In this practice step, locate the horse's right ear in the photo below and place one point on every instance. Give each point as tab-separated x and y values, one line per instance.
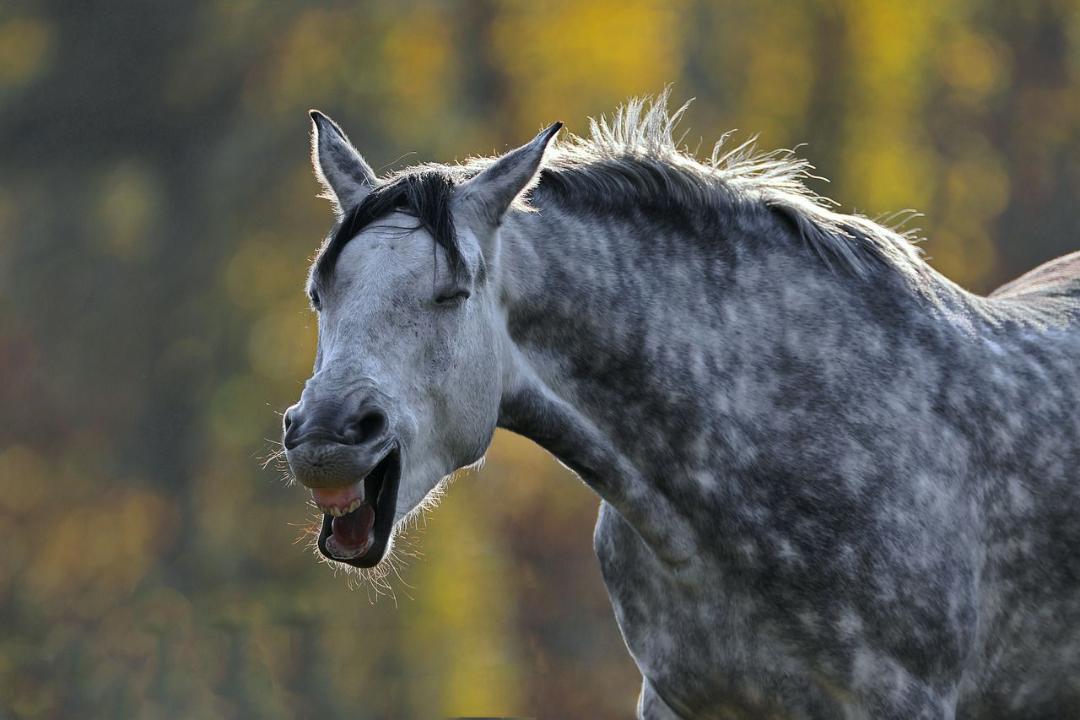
345	176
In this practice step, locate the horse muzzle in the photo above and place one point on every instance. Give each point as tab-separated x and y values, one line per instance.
352	464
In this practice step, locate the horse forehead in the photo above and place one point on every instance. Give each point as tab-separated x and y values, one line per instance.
391	248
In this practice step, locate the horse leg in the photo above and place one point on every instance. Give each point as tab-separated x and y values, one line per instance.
651	706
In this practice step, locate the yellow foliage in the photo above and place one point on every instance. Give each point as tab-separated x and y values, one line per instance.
459	625
629	47
127	210
974	64
88	557
416	66
888	160
25	45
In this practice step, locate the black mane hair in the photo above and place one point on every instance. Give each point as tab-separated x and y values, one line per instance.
424	193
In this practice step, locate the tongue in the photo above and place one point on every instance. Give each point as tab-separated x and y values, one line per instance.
352	532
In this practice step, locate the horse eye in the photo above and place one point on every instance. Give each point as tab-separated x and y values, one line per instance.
314	297
452	297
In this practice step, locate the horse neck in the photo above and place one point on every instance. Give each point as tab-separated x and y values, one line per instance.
642	354
604	318
671	370
649	332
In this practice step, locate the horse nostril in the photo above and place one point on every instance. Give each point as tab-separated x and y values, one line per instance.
292	424
368	426
372	424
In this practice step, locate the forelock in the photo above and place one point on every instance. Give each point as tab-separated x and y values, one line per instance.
424	193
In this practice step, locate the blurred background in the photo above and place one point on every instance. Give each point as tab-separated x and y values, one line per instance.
157	212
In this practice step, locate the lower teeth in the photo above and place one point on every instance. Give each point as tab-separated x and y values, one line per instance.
336	550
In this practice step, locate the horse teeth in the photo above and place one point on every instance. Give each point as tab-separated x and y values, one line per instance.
335	511
337	552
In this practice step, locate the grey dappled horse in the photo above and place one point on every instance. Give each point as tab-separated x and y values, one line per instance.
834	484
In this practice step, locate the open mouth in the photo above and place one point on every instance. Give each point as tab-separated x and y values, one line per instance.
358	518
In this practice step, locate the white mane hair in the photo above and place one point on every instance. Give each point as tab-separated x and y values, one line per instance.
636	157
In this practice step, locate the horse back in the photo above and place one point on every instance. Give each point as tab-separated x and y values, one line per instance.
1059	277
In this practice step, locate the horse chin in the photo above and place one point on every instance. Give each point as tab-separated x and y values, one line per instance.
379	493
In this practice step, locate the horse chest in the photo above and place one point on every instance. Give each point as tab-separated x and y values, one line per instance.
708	654
727	642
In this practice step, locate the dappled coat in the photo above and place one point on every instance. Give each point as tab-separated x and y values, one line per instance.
834	484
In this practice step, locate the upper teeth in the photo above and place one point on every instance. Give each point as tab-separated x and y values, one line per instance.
339	511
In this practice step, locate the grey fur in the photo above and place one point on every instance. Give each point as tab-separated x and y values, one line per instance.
835	484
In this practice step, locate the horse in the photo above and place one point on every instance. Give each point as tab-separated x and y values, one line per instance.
833	483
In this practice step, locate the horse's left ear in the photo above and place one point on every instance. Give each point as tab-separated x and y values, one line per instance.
488	195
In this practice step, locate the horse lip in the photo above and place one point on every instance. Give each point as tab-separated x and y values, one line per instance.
385	504
327	436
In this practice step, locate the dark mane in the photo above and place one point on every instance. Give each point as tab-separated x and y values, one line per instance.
424	193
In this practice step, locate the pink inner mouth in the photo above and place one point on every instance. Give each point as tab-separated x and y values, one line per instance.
338	497
351	533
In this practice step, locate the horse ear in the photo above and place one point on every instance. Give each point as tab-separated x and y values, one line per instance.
345	176
494	189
